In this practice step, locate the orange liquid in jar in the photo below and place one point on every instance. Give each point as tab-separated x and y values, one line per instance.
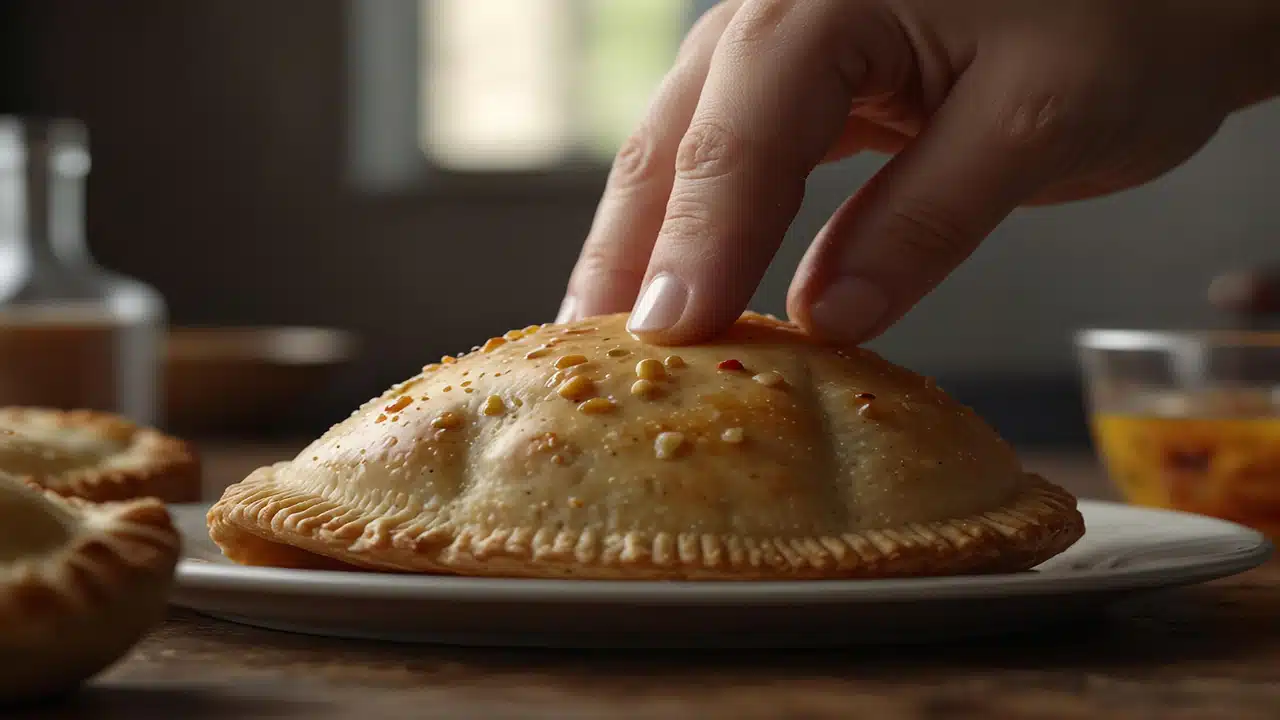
1225	467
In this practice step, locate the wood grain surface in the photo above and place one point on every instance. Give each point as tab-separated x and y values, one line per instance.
1211	651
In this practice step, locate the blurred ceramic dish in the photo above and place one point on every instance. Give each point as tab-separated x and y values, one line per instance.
248	378
1125	551
1189	420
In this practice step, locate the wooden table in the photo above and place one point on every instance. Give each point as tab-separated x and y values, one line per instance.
1206	652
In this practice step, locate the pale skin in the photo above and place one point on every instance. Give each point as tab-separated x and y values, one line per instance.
984	105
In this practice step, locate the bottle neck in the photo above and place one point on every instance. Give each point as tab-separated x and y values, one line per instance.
47	193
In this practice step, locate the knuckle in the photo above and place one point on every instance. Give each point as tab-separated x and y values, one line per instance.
710	24
754	22
636	164
1034	121
708	149
876	58
599	266
686	222
929	236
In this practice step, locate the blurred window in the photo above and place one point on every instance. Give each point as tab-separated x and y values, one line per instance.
503	87
513	84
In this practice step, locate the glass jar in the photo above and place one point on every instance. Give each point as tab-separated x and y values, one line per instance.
72	334
1189	420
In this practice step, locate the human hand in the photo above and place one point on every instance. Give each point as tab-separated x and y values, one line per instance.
986	105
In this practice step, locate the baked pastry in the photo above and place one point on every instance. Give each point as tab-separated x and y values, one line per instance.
96	456
577	451
80	583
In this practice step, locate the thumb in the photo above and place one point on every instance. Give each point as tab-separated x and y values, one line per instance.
983	153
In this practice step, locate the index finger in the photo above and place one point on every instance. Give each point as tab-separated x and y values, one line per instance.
610	268
779	90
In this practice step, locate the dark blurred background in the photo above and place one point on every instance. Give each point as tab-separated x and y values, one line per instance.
423	175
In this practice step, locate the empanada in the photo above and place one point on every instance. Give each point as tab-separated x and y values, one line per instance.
577	451
96	455
80	583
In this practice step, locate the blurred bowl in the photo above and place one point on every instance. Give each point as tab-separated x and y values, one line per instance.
1189	420
238	380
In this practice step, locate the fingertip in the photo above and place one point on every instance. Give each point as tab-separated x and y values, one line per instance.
667	314
568	309
849	311
683	334
661	306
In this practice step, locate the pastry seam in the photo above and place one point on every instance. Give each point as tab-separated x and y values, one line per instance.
1037	523
110	544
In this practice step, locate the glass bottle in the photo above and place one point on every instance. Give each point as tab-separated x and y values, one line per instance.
72	334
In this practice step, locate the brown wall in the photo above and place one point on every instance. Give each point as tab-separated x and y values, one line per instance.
220	139
218	133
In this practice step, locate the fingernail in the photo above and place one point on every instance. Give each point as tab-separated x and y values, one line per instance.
567	308
849	310
660	305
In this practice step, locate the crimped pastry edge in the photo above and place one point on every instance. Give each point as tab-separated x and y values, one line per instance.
111	545
171	471
69	613
1040	521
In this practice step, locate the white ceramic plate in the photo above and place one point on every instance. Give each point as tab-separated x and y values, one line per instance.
1126	550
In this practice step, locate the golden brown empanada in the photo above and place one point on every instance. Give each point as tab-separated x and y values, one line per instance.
96	456
80	583
577	451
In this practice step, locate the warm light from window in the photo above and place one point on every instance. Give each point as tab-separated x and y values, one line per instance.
496	81
528	84
628	47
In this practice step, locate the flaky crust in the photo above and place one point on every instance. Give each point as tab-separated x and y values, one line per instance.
792	461
122	460
74	604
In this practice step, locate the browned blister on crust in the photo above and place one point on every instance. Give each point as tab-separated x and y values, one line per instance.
578	451
96	456
80	583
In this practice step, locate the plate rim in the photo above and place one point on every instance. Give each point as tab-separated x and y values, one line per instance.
194	576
